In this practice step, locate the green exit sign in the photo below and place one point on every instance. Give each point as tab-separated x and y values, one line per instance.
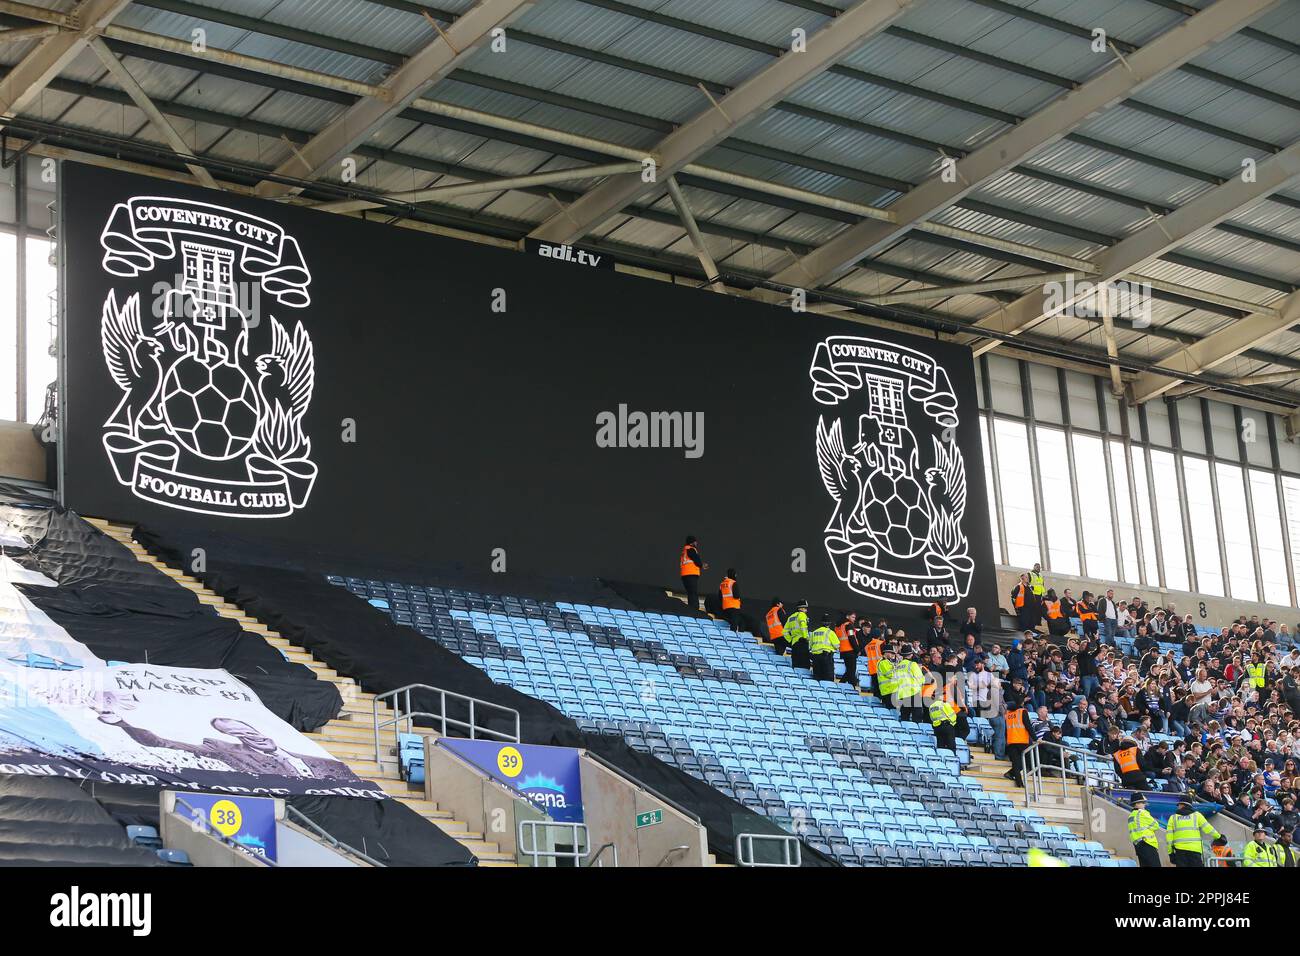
649	819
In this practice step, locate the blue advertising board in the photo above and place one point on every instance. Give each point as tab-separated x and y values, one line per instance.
550	777
248	821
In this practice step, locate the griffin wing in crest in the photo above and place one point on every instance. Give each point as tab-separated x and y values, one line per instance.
830	456
119	333
299	364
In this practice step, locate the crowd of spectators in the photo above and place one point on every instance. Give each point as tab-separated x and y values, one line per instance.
1213	715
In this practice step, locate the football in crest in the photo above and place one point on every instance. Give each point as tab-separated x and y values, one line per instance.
895	514
210	407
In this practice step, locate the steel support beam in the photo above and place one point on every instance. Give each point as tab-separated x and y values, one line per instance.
722	117
476	187
141	99
359	121
1125	75
697	239
23	84
967	288
1217	348
1155	239
23	34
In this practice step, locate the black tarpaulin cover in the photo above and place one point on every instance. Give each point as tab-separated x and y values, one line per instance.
356	639
52	821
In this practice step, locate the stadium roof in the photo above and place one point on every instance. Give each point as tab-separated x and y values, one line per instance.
931	163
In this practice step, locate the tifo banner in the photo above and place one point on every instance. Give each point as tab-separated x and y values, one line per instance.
177	727
550	777
248	821
519	414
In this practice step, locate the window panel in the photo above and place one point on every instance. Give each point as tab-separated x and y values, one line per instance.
1019	510
1254	432
1268	536
1223	430
1114	415
1157	414
1173	552
1235	518
1291	502
8	195
1205	537
1288	452
1004	382
8	326
1057	503
1094	508
988	484
1047	393
1128	556
1081	392
42	281
1191	432
40	194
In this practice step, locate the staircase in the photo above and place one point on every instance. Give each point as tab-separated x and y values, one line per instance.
350	736
1064	808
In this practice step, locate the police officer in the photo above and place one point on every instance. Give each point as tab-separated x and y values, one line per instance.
1184	833
1257	852
909	692
822	644
796	635
1142	830
943	718
887	676
776	626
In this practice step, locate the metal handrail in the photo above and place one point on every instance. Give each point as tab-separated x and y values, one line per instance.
579	830
330	839
1032	773
644	786
595	860
197	818
746	841
407	716
677	849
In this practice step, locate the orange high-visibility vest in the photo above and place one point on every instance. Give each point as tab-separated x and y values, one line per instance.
875	650
1087	612
1020	595
689	567
842	632
1053	610
724	589
775	628
1017	732
1127	760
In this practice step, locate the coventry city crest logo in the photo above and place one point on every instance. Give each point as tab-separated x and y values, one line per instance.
211	418
895	533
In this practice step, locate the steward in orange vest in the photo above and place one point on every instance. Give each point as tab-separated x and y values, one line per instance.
690	567
850	642
1087	611
1058	618
729	592
1017	742
1130	770
776	626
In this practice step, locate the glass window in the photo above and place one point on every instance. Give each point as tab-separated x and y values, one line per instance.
988	484
40	193
979	388
1081	393
1058	501
1127	567
1291	502
1114	414
1157	414
1019	511
1288	452
1223	429
1145	521
1004	381
1268	537
1164	473
1047	393
1094	508
1235	518
8	326
8	194
1205	536
42	284
1191	432
1254	435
